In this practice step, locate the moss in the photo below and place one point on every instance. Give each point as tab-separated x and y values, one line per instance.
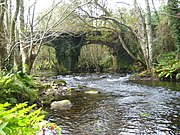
59	82
46	100
144	75
70	89
67	51
81	87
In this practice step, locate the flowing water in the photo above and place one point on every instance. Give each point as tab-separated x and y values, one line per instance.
122	107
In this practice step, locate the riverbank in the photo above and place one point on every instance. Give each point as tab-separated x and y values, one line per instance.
144	75
56	89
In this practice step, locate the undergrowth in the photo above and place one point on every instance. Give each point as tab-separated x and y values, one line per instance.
168	67
16	88
23	120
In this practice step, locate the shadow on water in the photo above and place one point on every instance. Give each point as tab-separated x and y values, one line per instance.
170	85
121	108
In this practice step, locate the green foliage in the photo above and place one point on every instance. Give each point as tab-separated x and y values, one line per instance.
173	10
126	16
21	120
17	87
107	62
95	58
46	59
103	35
26	68
68	20
168	67
164	41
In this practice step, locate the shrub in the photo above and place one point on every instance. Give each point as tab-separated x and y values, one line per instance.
168	67
17	87
21	120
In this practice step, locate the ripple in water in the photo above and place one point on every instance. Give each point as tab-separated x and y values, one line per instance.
122	108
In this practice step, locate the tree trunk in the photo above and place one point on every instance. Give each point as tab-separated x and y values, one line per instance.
2	34
145	33
128	51
149	36
23	47
16	54
27	55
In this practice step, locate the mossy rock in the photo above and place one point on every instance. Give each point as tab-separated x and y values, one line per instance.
46	99
82	87
42	87
59	82
70	89
61	105
46	102
144	75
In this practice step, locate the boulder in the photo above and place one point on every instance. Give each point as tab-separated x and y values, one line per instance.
61	105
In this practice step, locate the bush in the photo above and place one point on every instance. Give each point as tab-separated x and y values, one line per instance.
22	120
168	67
17	87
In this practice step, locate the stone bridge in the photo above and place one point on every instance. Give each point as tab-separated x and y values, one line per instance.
68	46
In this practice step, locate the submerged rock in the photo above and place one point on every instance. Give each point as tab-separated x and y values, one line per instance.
61	105
82	87
92	92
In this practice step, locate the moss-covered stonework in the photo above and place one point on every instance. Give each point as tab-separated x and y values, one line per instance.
67	47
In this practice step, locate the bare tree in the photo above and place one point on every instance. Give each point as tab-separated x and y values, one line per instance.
112	23
149	36
30	51
145	33
20	39
2	34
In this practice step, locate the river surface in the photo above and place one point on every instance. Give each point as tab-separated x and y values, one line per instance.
122	107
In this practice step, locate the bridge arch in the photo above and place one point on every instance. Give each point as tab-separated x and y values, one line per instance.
67	47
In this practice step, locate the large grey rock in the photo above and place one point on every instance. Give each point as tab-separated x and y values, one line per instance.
61	105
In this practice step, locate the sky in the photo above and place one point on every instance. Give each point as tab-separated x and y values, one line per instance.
44	4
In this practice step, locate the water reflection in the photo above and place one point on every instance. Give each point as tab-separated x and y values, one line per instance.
171	85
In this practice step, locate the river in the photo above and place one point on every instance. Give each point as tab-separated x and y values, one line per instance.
123	107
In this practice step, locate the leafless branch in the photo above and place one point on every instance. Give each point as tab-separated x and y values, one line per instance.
156	13
91	26
50	11
60	20
124	3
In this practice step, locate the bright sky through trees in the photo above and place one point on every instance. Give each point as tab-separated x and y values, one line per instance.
43	4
